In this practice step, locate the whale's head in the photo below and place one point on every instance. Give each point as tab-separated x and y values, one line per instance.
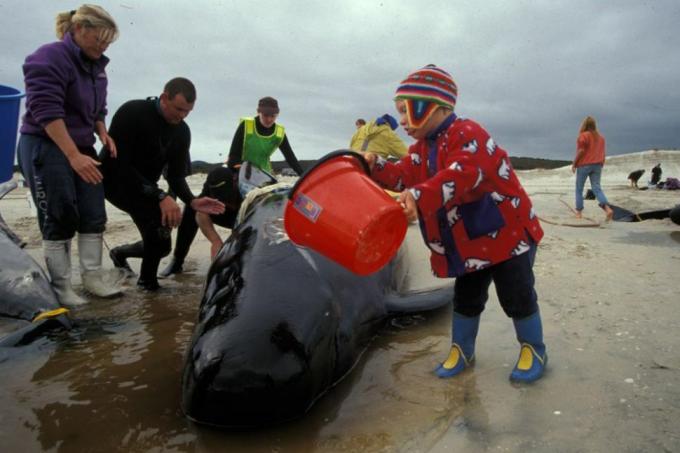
278	326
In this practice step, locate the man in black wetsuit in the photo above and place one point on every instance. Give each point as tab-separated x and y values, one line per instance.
151	134
255	140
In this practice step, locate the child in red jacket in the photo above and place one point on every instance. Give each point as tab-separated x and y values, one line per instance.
474	215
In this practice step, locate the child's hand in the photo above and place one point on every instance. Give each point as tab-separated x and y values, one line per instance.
408	203
370	159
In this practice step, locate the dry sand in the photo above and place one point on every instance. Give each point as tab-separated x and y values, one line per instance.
609	298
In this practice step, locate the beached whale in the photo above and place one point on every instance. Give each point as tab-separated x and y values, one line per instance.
27	301
279	325
674	214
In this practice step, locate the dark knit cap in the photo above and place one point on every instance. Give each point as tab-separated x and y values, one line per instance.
268	105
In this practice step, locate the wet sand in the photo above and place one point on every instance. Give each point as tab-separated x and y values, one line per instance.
608	295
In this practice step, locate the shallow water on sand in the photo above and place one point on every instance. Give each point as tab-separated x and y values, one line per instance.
113	384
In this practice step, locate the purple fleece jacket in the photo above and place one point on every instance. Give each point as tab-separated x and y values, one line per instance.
62	83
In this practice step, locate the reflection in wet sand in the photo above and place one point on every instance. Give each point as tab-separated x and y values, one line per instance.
118	377
113	383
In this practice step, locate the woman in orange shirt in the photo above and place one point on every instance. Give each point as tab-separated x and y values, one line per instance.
588	163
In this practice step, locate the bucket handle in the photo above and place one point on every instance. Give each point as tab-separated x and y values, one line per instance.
326	158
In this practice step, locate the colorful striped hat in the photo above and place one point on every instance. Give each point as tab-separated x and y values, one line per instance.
424	90
430	84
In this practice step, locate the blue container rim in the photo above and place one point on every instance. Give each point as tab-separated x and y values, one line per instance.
7	93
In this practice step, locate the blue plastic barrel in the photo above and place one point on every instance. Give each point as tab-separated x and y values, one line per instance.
10	102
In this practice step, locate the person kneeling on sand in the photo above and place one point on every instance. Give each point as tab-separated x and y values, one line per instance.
151	134
477	219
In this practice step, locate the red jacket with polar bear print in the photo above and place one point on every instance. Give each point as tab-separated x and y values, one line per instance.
472	209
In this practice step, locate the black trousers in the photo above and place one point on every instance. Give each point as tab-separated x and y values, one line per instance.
146	214
514	281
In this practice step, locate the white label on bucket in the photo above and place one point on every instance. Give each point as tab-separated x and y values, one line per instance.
307	207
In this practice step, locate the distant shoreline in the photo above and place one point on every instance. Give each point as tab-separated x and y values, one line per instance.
518	163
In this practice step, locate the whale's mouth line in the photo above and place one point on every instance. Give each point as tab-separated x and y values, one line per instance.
308	258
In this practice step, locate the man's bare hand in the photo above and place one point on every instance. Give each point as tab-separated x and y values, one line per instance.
207	205
171	214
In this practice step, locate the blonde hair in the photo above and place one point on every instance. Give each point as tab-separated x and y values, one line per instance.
89	16
589	125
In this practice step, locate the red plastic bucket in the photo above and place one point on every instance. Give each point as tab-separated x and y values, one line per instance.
336	209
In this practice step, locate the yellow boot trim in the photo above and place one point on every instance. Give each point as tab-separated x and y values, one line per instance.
454	356
526	357
50	314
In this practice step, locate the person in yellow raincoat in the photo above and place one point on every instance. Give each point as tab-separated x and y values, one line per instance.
378	137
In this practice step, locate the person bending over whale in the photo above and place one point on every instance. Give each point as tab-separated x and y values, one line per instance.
151	134
219	184
378	137
66	91
634	177
477	219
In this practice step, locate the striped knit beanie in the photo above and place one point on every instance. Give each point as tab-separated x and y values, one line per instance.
423	91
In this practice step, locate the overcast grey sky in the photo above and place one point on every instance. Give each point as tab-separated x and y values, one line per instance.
529	71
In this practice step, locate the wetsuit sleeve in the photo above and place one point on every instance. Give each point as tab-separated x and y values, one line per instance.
236	150
126	128
178	169
290	156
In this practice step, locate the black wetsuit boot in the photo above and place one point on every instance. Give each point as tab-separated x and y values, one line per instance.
156	245
185	236
120	254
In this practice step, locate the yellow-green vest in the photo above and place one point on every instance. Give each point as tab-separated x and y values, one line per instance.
257	149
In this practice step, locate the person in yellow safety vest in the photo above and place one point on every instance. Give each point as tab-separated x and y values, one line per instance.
256	139
379	137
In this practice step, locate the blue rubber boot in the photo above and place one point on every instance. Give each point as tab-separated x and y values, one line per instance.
532	356
462	353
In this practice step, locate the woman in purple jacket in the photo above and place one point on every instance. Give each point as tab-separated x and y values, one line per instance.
65	107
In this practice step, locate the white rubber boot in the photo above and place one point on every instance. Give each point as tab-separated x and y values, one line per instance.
58	261
94	278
